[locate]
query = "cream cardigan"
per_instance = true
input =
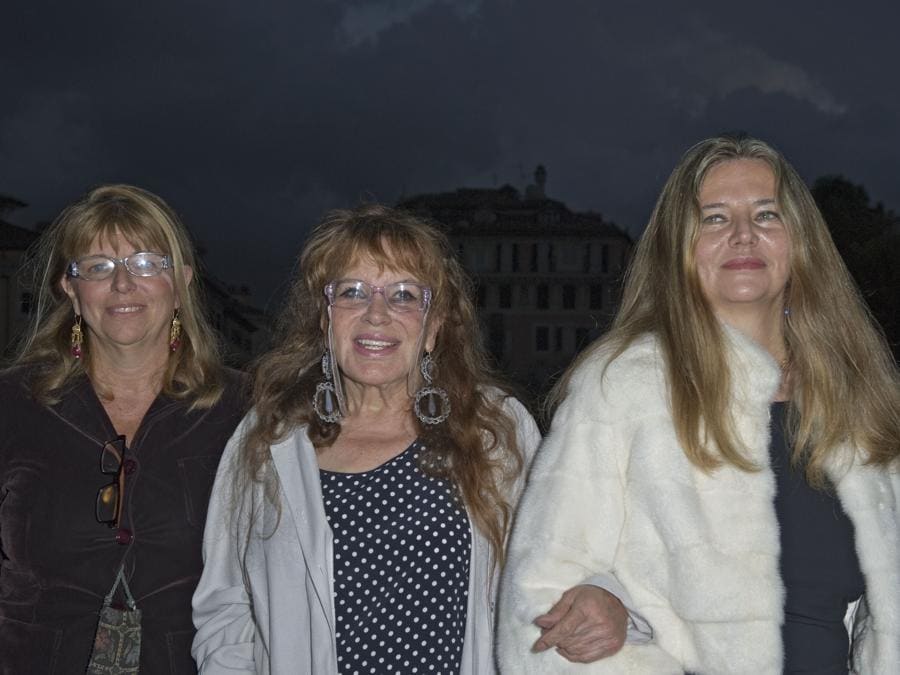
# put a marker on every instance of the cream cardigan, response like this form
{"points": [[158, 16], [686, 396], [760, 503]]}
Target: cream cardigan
{"points": [[611, 492]]}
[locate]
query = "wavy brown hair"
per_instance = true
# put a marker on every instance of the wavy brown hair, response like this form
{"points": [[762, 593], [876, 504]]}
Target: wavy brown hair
{"points": [[194, 370], [475, 448], [844, 379]]}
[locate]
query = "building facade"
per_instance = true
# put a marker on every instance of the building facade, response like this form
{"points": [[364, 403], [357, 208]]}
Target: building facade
{"points": [[15, 298], [244, 330], [547, 279]]}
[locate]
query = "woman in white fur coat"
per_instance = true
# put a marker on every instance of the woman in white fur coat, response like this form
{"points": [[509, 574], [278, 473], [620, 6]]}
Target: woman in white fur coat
{"points": [[724, 460]]}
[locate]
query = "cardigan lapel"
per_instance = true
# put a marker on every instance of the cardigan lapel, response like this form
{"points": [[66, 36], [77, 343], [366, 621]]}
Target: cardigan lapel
{"points": [[298, 473]]}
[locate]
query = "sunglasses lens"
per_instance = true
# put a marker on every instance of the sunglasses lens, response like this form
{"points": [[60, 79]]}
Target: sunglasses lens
{"points": [[108, 503], [111, 458]]}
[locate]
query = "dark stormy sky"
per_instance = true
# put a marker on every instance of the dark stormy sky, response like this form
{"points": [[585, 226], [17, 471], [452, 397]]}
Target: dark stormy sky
{"points": [[253, 118]]}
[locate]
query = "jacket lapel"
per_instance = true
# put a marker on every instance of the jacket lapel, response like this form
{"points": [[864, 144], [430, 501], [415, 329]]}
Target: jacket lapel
{"points": [[295, 462]]}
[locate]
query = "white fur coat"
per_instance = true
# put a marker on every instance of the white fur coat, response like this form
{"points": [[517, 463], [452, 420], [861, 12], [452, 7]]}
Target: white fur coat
{"points": [[612, 492]]}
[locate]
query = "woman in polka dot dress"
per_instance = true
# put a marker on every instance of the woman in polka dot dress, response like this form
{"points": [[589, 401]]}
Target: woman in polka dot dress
{"points": [[360, 514]]}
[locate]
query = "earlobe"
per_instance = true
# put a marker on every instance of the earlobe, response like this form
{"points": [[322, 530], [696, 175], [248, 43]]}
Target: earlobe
{"points": [[66, 285], [187, 273], [431, 336]]}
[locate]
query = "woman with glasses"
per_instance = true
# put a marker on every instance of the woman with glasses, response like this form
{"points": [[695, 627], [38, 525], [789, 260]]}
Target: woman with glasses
{"points": [[114, 418], [361, 510]]}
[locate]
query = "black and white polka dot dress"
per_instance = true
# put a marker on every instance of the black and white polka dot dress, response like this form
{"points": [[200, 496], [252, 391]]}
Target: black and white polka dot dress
{"points": [[401, 568]]}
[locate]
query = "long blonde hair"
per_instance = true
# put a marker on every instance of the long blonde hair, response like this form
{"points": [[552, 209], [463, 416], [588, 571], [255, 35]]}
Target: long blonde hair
{"points": [[844, 380], [194, 370], [476, 448]]}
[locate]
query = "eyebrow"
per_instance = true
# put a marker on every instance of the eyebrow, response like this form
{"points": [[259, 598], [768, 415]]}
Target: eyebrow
{"points": [[722, 205], [400, 281]]}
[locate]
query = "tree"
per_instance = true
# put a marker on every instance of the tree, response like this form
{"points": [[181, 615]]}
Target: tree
{"points": [[8, 203], [868, 238]]}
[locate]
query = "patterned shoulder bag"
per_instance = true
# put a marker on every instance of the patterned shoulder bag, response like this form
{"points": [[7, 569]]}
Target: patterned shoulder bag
{"points": [[117, 642]]}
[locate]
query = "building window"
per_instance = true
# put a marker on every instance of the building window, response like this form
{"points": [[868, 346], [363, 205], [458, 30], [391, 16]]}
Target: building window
{"points": [[505, 296], [541, 339], [534, 257], [604, 258], [568, 296], [26, 300], [587, 259], [515, 257], [558, 339], [480, 295], [596, 296], [523, 300], [551, 258], [480, 257], [499, 261], [543, 296]]}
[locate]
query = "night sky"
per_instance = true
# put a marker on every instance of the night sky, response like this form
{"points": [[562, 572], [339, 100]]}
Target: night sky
{"points": [[252, 119]]}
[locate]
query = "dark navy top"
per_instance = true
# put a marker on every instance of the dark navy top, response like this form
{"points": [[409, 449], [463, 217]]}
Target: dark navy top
{"points": [[819, 566], [401, 568]]}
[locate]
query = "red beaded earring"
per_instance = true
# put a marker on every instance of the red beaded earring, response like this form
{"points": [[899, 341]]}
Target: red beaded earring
{"points": [[175, 333], [76, 337]]}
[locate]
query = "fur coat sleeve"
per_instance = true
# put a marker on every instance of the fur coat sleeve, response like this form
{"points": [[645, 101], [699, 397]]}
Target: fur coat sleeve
{"points": [[571, 521]]}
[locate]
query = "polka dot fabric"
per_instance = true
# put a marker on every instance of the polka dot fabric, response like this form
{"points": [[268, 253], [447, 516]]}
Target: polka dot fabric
{"points": [[401, 568]]}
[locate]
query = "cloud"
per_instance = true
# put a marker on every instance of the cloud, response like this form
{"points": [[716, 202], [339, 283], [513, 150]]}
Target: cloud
{"points": [[260, 118], [364, 23], [713, 63]]}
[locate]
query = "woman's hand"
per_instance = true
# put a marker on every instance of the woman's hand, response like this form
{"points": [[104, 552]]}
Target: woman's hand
{"points": [[586, 624]]}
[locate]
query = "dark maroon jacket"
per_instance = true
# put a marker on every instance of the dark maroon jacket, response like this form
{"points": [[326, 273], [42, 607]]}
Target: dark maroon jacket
{"points": [[58, 562]]}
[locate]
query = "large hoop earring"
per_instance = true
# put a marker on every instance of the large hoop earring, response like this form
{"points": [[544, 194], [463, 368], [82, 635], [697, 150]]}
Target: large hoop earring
{"points": [[76, 338], [175, 332], [436, 401], [325, 400]]}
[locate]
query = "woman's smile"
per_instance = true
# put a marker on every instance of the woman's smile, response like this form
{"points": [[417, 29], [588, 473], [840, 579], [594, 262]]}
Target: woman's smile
{"points": [[370, 344]]}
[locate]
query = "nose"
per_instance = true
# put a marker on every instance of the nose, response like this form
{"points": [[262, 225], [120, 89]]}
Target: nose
{"points": [[377, 311], [742, 230], [122, 280]]}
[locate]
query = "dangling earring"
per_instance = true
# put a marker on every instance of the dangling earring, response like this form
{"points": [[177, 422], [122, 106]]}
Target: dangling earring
{"points": [[76, 337], [325, 401], [175, 333], [437, 403]]}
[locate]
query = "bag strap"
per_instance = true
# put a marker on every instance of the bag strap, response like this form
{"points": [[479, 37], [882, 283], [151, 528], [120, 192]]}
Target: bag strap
{"points": [[120, 578]]}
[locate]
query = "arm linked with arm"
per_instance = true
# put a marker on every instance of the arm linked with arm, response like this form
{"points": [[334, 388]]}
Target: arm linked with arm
{"points": [[567, 533]]}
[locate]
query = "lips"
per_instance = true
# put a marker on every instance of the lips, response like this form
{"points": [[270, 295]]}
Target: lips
{"points": [[124, 309], [744, 263], [374, 344]]}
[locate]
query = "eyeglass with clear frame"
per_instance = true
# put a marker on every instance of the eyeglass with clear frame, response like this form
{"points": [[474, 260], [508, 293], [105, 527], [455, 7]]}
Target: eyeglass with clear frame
{"points": [[108, 508], [402, 296], [100, 267]]}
